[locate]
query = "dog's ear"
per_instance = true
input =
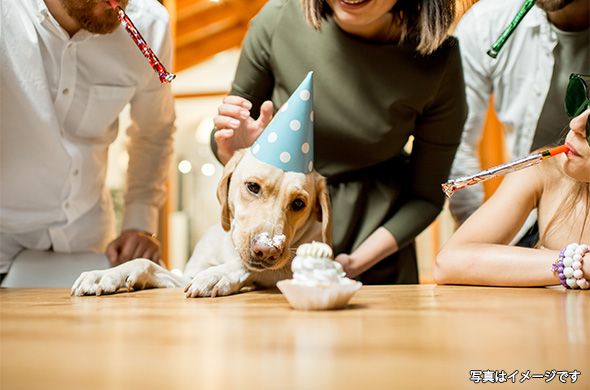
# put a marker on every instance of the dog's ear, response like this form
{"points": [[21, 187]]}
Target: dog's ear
{"points": [[323, 208], [223, 188]]}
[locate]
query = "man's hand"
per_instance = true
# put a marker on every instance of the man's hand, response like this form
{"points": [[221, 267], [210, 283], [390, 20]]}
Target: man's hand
{"points": [[236, 129], [133, 244]]}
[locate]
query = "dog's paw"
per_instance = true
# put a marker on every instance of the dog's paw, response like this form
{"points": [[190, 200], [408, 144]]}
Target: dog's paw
{"points": [[98, 282], [210, 283], [132, 276]]}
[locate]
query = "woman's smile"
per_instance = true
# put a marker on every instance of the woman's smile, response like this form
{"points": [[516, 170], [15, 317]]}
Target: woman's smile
{"points": [[353, 4], [371, 19]]}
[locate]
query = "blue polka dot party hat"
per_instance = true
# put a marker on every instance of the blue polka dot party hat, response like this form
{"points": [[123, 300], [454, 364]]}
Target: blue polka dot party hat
{"points": [[287, 141]]}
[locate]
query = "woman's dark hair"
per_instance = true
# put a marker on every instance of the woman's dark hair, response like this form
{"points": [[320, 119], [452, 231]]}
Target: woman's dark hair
{"points": [[426, 20]]}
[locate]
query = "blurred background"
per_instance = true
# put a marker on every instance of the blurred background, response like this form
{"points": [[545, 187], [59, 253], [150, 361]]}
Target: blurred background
{"points": [[207, 38]]}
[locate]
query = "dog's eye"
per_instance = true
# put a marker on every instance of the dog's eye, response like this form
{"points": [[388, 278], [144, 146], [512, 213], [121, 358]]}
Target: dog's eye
{"points": [[253, 187], [297, 205]]}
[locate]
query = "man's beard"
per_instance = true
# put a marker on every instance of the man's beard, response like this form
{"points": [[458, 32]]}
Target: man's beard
{"points": [[83, 12], [552, 5]]}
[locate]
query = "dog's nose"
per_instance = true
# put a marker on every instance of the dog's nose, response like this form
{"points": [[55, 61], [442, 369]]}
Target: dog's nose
{"points": [[262, 248]]}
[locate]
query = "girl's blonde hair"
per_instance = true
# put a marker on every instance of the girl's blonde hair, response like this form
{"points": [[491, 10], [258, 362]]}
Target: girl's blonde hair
{"points": [[426, 20]]}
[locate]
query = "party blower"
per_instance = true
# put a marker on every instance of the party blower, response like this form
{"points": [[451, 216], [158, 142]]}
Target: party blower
{"points": [[577, 99], [163, 74], [497, 46], [451, 186]]}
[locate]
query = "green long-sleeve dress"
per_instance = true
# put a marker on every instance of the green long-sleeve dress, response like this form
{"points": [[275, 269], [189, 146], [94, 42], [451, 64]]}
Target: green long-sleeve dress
{"points": [[369, 98]]}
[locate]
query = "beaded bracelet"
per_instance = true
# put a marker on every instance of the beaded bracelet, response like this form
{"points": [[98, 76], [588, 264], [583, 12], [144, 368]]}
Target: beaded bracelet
{"points": [[569, 266], [557, 268]]}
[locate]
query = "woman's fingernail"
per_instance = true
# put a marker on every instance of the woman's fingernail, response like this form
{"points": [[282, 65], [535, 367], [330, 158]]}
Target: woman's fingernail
{"points": [[247, 105], [244, 114], [235, 122]]}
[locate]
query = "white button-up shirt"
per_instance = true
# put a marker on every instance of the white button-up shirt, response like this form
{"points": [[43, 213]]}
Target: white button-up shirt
{"points": [[519, 78], [60, 101]]}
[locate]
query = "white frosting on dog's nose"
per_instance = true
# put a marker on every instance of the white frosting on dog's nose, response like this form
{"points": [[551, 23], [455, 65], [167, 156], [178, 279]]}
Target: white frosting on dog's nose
{"points": [[263, 247], [276, 241]]}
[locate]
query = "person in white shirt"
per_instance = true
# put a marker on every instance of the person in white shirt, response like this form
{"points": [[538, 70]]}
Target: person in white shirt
{"points": [[528, 79], [68, 69]]}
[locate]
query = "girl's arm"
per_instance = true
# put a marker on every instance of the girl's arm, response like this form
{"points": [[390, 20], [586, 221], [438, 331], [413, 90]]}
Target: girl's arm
{"points": [[478, 253], [375, 248], [436, 137]]}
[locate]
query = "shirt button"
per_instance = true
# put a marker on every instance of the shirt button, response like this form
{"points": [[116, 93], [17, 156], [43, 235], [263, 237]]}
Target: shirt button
{"points": [[67, 205], [75, 173], [65, 91]]}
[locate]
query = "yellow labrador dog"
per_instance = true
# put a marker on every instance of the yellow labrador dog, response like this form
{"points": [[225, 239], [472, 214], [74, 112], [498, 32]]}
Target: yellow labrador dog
{"points": [[266, 214]]}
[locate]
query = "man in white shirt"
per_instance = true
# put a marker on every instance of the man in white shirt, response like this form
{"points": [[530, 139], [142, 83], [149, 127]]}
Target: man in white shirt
{"points": [[68, 69], [528, 79]]}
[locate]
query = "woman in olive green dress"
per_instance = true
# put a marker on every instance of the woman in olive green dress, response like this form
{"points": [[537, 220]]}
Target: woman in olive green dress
{"points": [[384, 70]]}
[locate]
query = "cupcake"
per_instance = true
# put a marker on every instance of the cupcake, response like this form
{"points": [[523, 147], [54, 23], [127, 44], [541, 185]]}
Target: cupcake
{"points": [[319, 283]]}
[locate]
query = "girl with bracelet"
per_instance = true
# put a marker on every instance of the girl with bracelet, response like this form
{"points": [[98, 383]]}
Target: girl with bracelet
{"points": [[479, 254]]}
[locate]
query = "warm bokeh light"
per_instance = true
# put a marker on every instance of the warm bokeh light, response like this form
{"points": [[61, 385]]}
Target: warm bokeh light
{"points": [[185, 166], [208, 169]]}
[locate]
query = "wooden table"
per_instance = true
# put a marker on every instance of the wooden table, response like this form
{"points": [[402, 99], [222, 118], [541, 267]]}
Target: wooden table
{"points": [[391, 336]]}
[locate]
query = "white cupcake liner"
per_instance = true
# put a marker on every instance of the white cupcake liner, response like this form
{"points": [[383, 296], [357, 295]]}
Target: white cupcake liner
{"points": [[327, 297]]}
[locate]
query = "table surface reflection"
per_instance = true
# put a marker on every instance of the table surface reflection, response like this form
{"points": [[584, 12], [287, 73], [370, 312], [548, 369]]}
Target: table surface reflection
{"points": [[414, 336]]}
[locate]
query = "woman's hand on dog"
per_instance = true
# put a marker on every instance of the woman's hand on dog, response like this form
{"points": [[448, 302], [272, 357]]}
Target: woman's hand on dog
{"points": [[236, 129]]}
